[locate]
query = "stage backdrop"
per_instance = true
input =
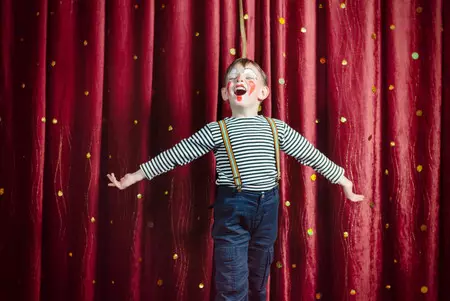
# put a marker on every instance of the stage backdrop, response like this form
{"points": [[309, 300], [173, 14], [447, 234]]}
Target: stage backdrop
{"points": [[92, 87]]}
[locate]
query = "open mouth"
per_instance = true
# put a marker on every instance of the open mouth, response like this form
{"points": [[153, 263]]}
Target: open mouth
{"points": [[240, 90]]}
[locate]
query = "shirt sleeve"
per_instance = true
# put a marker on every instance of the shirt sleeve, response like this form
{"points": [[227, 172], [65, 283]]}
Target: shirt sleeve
{"points": [[297, 146], [184, 152]]}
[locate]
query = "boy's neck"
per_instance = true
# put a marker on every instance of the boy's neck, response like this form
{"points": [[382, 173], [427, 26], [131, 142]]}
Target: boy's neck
{"points": [[244, 113]]}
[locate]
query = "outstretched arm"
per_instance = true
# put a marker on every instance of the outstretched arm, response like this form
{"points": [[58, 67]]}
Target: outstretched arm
{"points": [[186, 151], [297, 146]]}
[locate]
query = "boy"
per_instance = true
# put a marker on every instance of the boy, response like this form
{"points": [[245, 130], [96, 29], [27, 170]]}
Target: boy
{"points": [[246, 147]]}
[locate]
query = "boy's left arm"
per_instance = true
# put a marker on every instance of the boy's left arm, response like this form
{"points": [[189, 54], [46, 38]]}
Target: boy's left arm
{"points": [[297, 146]]}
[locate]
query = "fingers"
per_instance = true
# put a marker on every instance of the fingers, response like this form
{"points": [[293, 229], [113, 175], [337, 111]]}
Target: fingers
{"points": [[356, 198], [114, 182]]}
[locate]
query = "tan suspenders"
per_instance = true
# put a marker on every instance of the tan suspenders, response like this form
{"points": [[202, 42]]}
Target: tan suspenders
{"points": [[229, 149]]}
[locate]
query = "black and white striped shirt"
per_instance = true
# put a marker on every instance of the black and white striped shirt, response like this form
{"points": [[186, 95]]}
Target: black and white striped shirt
{"points": [[253, 147]]}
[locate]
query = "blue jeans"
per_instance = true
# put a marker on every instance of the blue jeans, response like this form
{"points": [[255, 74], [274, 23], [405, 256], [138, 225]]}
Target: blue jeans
{"points": [[244, 232]]}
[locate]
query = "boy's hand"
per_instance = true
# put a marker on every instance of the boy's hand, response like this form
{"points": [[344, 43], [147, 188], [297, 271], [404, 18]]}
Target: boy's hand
{"points": [[347, 186], [126, 181]]}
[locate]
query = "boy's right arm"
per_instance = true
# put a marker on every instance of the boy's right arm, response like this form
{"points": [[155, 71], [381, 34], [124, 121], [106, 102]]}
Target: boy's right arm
{"points": [[184, 152]]}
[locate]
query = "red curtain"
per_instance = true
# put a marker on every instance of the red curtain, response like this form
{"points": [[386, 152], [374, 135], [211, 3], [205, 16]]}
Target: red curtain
{"points": [[92, 87]]}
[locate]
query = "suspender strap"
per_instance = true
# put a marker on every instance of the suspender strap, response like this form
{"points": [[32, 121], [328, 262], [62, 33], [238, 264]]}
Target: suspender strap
{"points": [[229, 149], [276, 144]]}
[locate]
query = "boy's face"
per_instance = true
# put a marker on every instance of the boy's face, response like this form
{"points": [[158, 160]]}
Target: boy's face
{"points": [[245, 87]]}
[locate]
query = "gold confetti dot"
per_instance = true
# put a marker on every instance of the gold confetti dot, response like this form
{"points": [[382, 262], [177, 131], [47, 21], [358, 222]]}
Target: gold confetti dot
{"points": [[70, 254], [317, 121], [313, 177], [159, 282], [23, 86], [111, 222], [139, 196], [424, 289], [259, 108], [60, 193], [136, 6], [374, 89], [201, 285], [170, 128], [43, 119], [392, 143], [392, 27], [386, 226], [93, 282], [395, 261], [279, 265], [197, 92], [92, 219], [320, 5], [374, 36], [86, 93], [303, 29], [423, 228], [135, 121], [343, 119], [53, 64], [294, 266], [197, 34], [419, 113], [310, 232], [85, 43], [38, 13], [88, 155], [113, 282], [163, 6], [109, 157], [281, 20], [284, 54], [287, 203], [415, 55], [352, 292], [419, 168], [281, 81], [232, 51], [140, 259], [175, 256], [386, 172], [166, 192], [318, 296], [342, 5], [388, 287], [323, 60], [345, 234], [2, 191], [246, 17], [54, 121], [419, 10], [344, 62], [391, 87], [135, 57]]}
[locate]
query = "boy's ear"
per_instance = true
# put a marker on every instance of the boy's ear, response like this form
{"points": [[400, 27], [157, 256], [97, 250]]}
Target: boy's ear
{"points": [[264, 93], [224, 93]]}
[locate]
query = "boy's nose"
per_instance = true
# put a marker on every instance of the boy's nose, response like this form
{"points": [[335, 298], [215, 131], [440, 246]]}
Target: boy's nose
{"points": [[240, 77]]}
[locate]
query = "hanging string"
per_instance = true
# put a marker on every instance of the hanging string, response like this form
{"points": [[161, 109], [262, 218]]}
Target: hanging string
{"points": [[242, 28]]}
